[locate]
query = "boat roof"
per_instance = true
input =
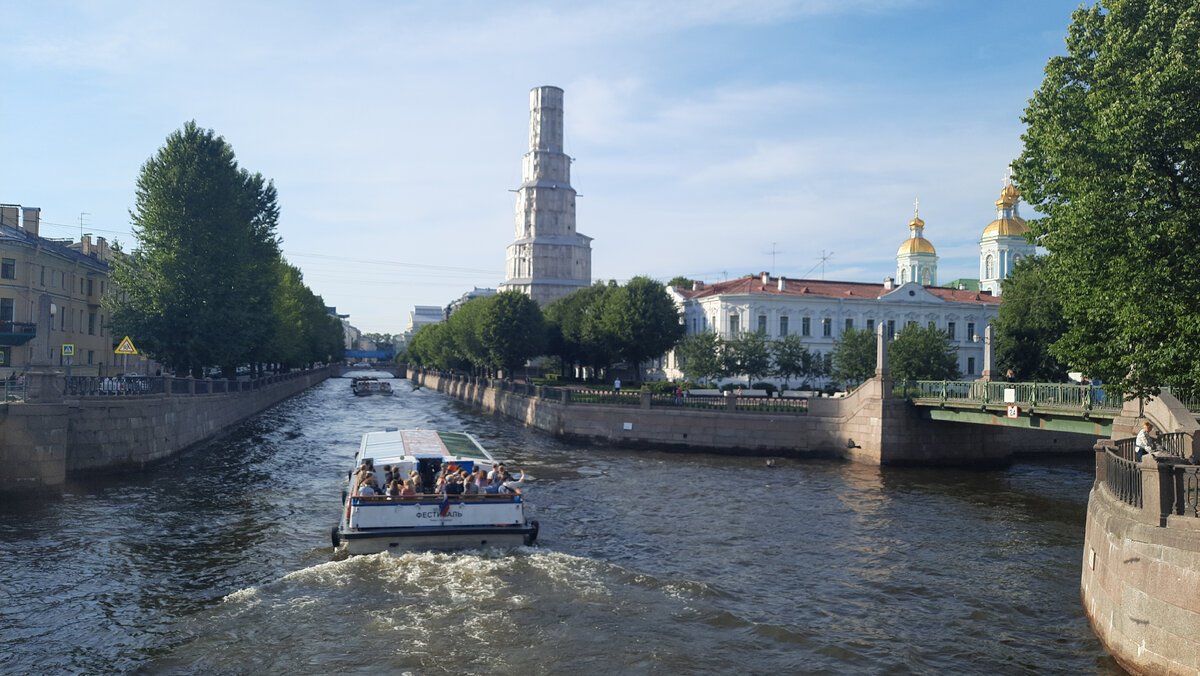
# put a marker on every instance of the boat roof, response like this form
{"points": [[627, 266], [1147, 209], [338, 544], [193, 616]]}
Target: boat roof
{"points": [[392, 446]]}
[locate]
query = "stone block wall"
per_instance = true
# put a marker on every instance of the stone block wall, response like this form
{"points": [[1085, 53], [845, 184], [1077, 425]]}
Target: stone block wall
{"points": [[40, 443]]}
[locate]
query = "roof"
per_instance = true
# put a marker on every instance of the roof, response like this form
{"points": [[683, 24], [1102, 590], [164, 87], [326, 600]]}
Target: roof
{"points": [[819, 288], [23, 238], [1006, 227]]}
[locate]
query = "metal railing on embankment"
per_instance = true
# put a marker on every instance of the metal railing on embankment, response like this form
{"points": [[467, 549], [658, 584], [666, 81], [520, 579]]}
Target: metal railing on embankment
{"points": [[1177, 475], [14, 390], [98, 386], [1066, 398]]}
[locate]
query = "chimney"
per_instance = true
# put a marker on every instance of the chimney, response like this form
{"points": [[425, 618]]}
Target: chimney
{"points": [[33, 217], [8, 216], [766, 277], [102, 247], [887, 282], [697, 285], [962, 287], [782, 284]]}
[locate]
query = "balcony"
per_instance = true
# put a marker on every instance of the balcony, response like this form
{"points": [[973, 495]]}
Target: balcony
{"points": [[16, 333]]}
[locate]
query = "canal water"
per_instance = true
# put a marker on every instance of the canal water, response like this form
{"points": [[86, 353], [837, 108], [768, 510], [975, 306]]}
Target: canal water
{"points": [[218, 561]]}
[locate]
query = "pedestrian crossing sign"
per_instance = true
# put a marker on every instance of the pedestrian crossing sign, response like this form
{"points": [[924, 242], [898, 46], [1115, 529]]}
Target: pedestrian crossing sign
{"points": [[126, 347], [69, 350]]}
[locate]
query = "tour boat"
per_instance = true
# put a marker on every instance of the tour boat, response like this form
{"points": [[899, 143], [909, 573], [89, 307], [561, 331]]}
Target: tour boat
{"points": [[363, 386], [376, 523]]}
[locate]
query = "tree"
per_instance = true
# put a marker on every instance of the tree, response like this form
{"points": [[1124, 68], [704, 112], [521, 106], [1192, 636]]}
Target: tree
{"points": [[511, 330], [1111, 159], [790, 357], [577, 334], [854, 356], [749, 355], [680, 282], [1031, 320], [197, 290], [640, 321], [699, 356], [922, 353]]}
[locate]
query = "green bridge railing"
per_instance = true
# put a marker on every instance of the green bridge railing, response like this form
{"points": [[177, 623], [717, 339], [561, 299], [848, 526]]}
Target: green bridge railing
{"points": [[1041, 396]]}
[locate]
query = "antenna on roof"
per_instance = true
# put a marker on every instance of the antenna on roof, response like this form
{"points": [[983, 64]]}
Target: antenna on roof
{"points": [[773, 252], [821, 261], [81, 215]]}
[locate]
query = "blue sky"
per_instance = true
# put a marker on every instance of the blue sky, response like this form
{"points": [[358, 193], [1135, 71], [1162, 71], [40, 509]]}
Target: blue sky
{"points": [[706, 134]]}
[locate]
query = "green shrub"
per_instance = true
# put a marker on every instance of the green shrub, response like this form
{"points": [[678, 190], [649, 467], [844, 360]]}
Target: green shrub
{"points": [[771, 389]]}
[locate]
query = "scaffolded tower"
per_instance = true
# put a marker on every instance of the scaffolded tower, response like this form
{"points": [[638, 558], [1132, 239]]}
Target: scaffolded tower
{"points": [[548, 259]]}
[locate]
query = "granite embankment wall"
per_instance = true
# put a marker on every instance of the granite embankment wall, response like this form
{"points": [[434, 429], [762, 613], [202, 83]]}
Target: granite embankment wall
{"points": [[1141, 556], [41, 442], [863, 427]]}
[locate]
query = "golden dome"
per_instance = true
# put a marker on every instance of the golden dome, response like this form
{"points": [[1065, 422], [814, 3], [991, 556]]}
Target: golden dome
{"points": [[1006, 227], [916, 222], [1010, 193], [915, 245]]}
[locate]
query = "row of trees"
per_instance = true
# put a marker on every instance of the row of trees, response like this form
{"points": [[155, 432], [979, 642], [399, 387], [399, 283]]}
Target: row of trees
{"points": [[206, 284], [917, 353], [597, 326]]}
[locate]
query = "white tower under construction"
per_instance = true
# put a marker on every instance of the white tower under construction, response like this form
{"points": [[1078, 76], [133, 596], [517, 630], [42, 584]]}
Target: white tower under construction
{"points": [[548, 259]]}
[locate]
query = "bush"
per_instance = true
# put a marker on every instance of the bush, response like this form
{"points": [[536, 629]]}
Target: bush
{"points": [[661, 387]]}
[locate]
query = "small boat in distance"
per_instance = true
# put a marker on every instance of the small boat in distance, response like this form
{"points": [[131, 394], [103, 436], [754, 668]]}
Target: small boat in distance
{"points": [[363, 386], [427, 520]]}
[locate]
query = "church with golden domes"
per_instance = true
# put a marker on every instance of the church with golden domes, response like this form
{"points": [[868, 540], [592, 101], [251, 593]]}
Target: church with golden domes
{"points": [[819, 311]]}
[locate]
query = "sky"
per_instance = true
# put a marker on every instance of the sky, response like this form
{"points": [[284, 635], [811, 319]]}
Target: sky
{"points": [[711, 138]]}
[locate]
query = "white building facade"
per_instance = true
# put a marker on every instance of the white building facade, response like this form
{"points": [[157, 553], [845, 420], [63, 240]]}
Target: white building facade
{"points": [[1003, 243]]}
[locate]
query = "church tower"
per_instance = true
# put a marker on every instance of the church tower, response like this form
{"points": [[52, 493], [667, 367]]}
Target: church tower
{"points": [[916, 259], [548, 259], [1003, 242]]}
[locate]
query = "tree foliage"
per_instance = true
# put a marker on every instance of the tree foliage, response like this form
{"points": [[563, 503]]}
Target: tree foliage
{"points": [[1110, 158], [202, 285], [854, 356], [699, 356], [511, 329], [640, 321], [575, 329], [790, 358], [1031, 320], [748, 354], [922, 353]]}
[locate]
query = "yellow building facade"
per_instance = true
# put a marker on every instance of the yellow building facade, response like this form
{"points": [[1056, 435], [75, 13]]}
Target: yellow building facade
{"points": [[50, 299]]}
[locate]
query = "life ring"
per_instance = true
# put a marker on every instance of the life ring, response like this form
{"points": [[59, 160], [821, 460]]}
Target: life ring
{"points": [[334, 537]]}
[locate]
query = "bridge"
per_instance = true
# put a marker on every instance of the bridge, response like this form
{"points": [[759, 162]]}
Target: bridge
{"points": [[392, 369], [1081, 409]]}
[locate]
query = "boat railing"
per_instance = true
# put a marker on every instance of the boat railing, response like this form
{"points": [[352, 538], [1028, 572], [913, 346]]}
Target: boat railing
{"points": [[436, 498]]}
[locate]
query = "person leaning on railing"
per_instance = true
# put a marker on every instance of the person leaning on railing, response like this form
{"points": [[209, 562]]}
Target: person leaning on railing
{"points": [[1145, 443]]}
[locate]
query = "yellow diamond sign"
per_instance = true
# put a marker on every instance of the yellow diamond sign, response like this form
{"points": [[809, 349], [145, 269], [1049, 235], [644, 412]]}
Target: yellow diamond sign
{"points": [[126, 347]]}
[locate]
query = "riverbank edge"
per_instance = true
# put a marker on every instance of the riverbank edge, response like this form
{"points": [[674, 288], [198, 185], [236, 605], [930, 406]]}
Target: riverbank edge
{"points": [[1141, 586], [41, 443], [864, 427]]}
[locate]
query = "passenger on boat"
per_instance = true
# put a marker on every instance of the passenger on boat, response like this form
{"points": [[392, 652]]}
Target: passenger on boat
{"points": [[452, 486], [394, 488], [508, 485], [365, 489], [496, 467], [408, 491]]}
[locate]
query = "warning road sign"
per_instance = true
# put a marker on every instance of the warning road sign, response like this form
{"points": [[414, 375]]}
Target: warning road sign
{"points": [[69, 350], [1012, 411], [126, 347]]}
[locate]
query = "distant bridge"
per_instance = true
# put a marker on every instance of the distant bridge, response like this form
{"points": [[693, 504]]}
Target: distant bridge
{"points": [[394, 370], [1083, 409]]}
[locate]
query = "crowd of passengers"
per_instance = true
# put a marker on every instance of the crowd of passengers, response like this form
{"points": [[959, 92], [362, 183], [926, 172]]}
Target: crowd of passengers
{"points": [[451, 480]]}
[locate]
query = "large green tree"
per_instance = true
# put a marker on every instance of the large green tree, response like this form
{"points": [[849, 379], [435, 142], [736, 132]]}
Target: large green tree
{"points": [[748, 354], [197, 290], [511, 329], [1110, 159], [577, 333], [1031, 320], [854, 356], [922, 353], [640, 321]]}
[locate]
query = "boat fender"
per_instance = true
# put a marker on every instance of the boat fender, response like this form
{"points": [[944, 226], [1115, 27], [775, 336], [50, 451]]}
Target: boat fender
{"points": [[334, 537], [532, 537], [343, 496]]}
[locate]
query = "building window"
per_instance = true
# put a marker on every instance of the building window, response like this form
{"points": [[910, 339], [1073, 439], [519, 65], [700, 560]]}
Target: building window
{"points": [[971, 331], [805, 327], [988, 264], [783, 326], [826, 327], [970, 366], [6, 309], [891, 328], [950, 330], [871, 325], [762, 323], [91, 356], [8, 268], [43, 275], [90, 287], [849, 324], [734, 325]]}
